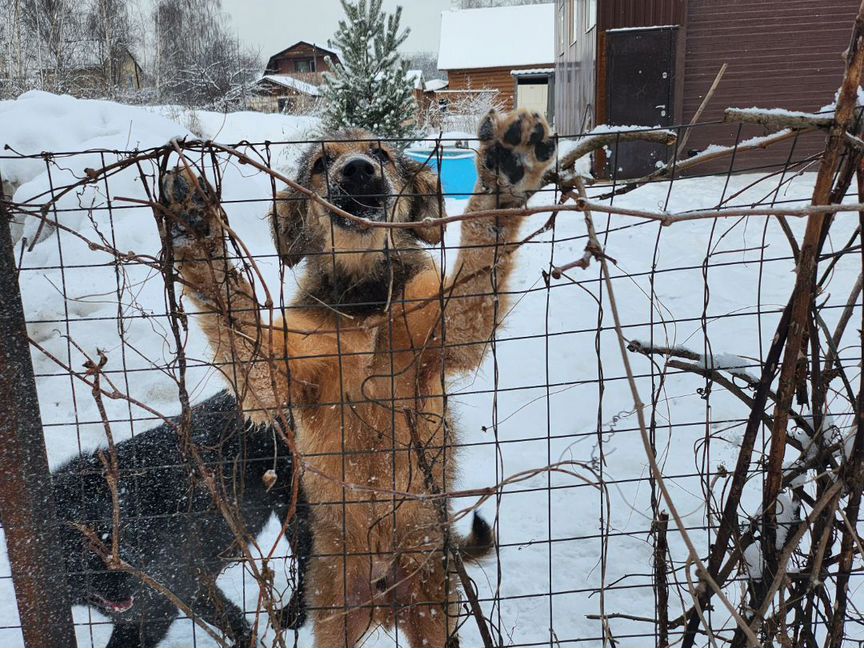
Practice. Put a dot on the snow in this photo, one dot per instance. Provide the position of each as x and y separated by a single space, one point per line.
497 37
546 369
290 82
627 29
532 72
416 78
436 84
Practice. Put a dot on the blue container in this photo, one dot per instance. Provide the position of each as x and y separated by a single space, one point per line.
456 166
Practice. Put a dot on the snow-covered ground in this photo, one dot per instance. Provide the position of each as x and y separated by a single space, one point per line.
709 291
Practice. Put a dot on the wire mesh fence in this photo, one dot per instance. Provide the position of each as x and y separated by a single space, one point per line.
596 371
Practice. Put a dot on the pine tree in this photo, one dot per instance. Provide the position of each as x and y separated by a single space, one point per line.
369 88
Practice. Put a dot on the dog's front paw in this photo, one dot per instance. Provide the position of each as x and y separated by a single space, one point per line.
190 207
516 149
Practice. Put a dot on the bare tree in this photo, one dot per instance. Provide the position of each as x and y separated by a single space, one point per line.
198 62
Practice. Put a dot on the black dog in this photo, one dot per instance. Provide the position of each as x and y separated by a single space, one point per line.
170 526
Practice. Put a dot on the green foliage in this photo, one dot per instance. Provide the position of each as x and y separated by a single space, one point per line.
369 88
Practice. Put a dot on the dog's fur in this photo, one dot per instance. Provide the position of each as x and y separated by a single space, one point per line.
170 527
363 357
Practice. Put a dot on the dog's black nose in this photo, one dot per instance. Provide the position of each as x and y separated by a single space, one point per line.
359 171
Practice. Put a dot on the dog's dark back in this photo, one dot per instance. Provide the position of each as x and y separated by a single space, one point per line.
171 528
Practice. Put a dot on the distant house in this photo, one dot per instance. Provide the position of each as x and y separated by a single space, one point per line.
285 94
507 52
650 63
304 61
292 78
91 70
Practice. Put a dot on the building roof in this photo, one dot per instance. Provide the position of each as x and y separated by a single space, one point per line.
326 50
497 37
323 48
290 82
433 85
416 77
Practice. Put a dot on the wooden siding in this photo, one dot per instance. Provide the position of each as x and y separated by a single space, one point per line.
780 54
615 14
498 78
574 70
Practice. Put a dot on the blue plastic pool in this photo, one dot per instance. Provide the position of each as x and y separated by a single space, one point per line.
456 167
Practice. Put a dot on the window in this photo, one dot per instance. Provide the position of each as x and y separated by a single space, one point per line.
574 20
591 15
304 65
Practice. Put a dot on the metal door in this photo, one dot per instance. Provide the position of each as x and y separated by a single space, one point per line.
533 96
640 85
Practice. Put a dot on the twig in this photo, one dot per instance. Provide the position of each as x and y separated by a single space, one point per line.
705 101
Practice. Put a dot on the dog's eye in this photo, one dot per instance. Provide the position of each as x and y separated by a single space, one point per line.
321 163
380 154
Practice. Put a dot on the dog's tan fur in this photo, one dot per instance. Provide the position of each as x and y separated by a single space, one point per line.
367 388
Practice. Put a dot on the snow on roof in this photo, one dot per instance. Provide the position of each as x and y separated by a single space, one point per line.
433 85
533 72
416 76
497 37
290 82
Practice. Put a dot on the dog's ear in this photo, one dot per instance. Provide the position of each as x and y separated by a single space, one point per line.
426 202
288 226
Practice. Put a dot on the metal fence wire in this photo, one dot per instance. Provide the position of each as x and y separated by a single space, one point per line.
650 393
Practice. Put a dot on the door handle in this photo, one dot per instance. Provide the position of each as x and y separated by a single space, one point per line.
662 109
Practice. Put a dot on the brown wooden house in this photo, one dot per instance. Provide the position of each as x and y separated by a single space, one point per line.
303 61
650 62
502 52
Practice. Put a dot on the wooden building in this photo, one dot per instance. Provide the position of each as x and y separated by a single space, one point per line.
651 62
303 61
505 53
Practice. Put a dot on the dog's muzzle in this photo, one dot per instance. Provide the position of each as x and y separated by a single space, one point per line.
360 191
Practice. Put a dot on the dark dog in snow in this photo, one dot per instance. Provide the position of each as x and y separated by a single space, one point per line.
170 526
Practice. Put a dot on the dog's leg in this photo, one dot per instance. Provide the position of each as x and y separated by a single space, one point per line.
516 149
431 619
212 605
340 620
230 316
146 632
300 538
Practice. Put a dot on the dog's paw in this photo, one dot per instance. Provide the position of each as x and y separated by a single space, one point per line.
190 206
516 149
294 614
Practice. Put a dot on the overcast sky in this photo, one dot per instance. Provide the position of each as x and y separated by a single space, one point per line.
273 25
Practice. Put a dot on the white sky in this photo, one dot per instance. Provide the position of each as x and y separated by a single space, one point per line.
273 25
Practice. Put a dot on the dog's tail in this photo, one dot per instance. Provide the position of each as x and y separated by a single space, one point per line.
480 542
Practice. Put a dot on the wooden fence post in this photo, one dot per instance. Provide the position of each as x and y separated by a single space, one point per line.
26 497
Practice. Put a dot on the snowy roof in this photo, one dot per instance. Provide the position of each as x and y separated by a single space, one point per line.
290 82
416 76
533 72
497 37
433 85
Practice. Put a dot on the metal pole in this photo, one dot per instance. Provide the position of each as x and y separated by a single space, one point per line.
26 497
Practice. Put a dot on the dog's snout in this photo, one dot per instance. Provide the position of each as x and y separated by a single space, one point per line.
359 170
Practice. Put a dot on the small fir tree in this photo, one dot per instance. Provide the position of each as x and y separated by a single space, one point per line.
369 88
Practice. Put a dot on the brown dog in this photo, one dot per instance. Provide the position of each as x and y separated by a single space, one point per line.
363 358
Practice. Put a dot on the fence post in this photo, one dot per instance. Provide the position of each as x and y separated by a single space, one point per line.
26 498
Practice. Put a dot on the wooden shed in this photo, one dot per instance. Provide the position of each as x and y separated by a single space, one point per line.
505 53
650 63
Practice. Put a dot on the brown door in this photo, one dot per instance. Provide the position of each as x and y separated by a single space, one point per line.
640 86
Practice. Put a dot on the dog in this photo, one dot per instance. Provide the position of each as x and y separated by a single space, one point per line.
170 527
363 356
